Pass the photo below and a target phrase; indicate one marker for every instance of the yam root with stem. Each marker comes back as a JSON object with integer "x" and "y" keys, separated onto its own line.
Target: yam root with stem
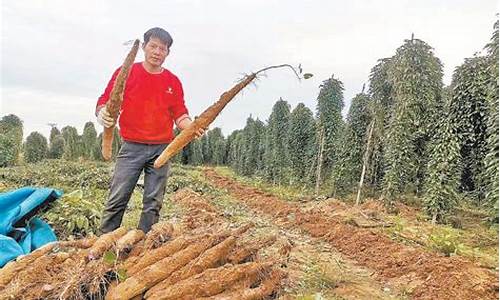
{"x": 208, "y": 116}
{"x": 212, "y": 281}
{"x": 150, "y": 276}
{"x": 115, "y": 100}
{"x": 208, "y": 259}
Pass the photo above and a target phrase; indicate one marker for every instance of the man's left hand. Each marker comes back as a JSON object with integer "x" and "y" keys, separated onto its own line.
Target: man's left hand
{"x": 185, "y": 121}
{"x": 200, "y": 133}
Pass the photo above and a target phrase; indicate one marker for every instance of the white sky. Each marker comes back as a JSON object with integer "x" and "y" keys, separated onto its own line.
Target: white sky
{"x": 57, "y": 56}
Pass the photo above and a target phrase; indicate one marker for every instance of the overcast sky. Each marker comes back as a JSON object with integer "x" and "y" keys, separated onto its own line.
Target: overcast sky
{"x": 57, "y": 56}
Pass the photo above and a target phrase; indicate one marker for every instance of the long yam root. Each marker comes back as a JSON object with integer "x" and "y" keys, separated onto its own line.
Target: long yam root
{"x": 105, "y": 242}
{"x": 154, "y": 255}
{"x": 126, "y": 242}
{"x": 150, "y": 276}
{"x": 115, "y": 100}
{"x": 211, "y": 282}
{"x": 208, "y": 259}
{"x": 266, "y": 288}
{"x": 206, "y": 118}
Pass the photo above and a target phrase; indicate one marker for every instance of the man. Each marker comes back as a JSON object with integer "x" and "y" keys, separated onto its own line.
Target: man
{"x": 152, "y": 102}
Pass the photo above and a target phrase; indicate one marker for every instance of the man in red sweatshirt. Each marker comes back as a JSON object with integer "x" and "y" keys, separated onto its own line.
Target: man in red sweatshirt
{"x": 152, "y": 102}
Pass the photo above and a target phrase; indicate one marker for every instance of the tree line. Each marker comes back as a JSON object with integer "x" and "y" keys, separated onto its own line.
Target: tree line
{"x": 62, "y": 144}
{"x": 405, "y": 136}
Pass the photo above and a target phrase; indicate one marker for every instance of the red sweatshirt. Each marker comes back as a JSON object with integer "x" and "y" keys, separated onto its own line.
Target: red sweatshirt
{"x": 151, "y": 105}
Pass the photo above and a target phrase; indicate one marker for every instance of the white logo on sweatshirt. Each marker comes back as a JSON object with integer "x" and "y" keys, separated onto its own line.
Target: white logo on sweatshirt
{"x": 169, "y": 90}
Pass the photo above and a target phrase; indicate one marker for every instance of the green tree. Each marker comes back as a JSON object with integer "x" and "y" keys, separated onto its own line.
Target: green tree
{"x": 252, "y": 150}
{"x": 443, "y": 176}
{"x": 351, "y": 145}
{"x": 195, "y": 153}
{"x": 380, "y": 92}
{"x": 491, "y": 160}
{"x": 56, "y": 147}
{"x": 89, "y": 138}
{"x": 234, "y": 146}
{"x": 8, "y": 152}
{"x": 54, "y": 132}
{"x": 205, "y": 148}
{"x": 416, "y": 79}
{"x": 35, "y": 148}
{"x": 330, "y": 103}
{"x": 217, "y": 146}
{"x": 97, "y": 153}
{"x": 469, "y": 111}
{"x": 301, "y": 142}
{"x": 11, "y": 138}
{"x": 71, "y": 147}
{"x": 276, "y": 155}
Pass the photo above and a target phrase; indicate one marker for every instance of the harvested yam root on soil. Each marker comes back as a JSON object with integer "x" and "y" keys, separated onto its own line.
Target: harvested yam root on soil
{"x": 159, "y": 234}
{"x": 248, "y": 251}
{"x": 137, "y": 249}
{"x": 121, "y": 267}
{"x": 30, "y": 281}
{"x": 146, "y": 278}
{"x": 157, "y": 254}
{"x": 211, "y": 282}
{"x": 267, "y": 287}
{"x": 14, "y": 267}
{"x": 208, "y": 259}
{"x": 105, "y": 242}
{"x": 82, "y": 243}
{"x": 126, "y": 242}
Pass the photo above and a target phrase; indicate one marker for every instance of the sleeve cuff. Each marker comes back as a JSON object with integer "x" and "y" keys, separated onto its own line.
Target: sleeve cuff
{"x": 182, "y": 117}
{"x": 98, "y": 108}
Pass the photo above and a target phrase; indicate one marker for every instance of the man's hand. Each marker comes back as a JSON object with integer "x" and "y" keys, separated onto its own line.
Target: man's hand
{"x": 184, "y": 121}
{"x": 104, "y": 118}
{"x": 200, "y": 133}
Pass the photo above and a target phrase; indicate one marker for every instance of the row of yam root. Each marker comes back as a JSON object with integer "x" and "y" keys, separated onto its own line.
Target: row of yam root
{"x": 214, "y": 263}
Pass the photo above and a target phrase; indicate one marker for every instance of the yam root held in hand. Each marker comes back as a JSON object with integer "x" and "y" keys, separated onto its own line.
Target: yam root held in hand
{"x": 208, "y": 116}
{"x": 115, "y": 100}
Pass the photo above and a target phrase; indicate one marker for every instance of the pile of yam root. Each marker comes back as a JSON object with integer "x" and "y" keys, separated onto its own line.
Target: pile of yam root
{"x": 170, "y": 262}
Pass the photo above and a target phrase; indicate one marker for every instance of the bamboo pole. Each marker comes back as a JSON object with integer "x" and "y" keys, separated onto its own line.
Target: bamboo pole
{"x": 320, "y": 161}
{"x": 365, "y": 161}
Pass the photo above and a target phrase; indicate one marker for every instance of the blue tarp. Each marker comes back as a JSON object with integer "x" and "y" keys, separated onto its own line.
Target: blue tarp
{"x": 20, "y": 231}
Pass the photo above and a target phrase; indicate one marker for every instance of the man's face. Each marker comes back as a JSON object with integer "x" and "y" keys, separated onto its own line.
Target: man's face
{"x": 155, "y": 52}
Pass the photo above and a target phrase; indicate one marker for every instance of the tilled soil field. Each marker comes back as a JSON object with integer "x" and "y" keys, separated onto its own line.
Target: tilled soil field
{"x": 427, "y": 275}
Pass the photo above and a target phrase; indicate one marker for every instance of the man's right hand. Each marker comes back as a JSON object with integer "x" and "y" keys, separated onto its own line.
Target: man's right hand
{"x": 104, "y": 118}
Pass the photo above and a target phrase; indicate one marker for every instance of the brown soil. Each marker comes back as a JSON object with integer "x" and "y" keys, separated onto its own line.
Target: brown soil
{"x": 425, "y": 275}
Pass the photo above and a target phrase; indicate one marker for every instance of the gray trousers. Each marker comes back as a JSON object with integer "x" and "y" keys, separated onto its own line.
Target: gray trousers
{"x": 131, "y": 160}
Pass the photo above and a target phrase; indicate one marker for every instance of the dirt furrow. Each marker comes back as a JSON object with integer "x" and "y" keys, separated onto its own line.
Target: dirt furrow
{"x": 423, "y": 274}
